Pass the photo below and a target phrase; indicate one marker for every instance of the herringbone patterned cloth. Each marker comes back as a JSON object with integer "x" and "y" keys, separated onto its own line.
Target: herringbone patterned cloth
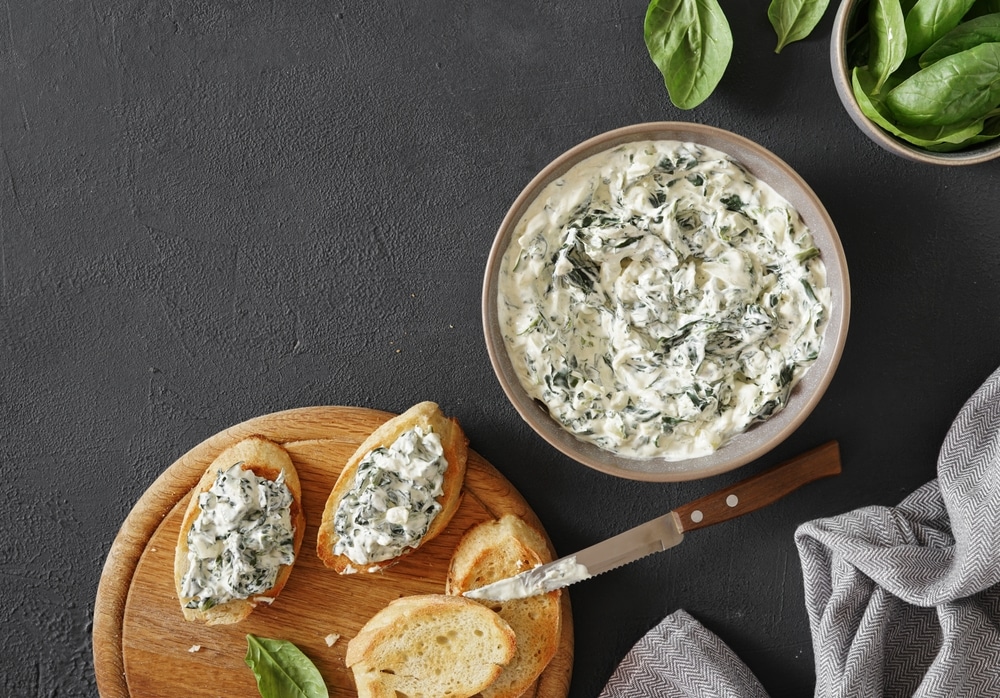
{"x": 679, "y": 658}
{"x": 903, "y": 601}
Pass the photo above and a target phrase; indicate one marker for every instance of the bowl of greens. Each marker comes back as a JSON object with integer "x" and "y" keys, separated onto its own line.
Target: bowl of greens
{"x": 922, "y": 79}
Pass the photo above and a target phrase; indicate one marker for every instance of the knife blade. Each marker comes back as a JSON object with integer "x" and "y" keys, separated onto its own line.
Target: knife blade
{"x": 666, "y": 531}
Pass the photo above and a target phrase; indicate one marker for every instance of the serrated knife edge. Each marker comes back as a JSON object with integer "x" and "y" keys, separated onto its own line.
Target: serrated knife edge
{"x": 668, "y": 530}
{"x": 645, "y": 539}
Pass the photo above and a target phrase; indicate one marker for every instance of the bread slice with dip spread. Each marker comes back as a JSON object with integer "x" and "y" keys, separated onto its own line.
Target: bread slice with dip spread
{"x": 396, "y": 492}
{"x": 495, "y": 550}
{"x": 428, "y": 646}
{"x": 241, "y": 533}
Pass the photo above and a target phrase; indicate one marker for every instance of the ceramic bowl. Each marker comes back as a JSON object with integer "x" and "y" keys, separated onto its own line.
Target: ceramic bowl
{"x": 844, "y": 26}
{"x": 760, "y": 438}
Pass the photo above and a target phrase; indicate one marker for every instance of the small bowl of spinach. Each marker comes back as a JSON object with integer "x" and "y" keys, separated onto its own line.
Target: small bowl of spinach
{"x": 922, "y": 78}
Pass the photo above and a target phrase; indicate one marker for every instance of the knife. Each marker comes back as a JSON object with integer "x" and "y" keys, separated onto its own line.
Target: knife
{"x": 668, "y": 530}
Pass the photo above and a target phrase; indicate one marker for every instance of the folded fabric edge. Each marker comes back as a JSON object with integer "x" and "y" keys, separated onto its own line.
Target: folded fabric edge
{"x": 680, "y": 658}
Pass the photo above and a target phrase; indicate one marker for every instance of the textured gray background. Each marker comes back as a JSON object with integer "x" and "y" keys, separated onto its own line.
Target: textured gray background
{"x": 215, "y": 210}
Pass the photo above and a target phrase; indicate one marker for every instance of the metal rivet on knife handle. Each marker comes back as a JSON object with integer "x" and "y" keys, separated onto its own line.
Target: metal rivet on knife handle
{"x": 761, "y": 489}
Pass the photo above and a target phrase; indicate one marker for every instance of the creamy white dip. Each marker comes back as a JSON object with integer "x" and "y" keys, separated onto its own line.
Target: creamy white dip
{"x": 659, "y": 299}
{"x": 539, "y": 580}
{"x": 241, "y": 537}
{"x": 393, "y": 500}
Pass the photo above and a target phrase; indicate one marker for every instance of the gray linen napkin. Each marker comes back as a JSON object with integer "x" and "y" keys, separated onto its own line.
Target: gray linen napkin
{"x": 679, "y": 658}
{"x": 902, "y": 601}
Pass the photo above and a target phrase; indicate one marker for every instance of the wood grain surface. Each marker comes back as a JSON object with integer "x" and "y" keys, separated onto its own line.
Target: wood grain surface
{"x": 144, "y": 647}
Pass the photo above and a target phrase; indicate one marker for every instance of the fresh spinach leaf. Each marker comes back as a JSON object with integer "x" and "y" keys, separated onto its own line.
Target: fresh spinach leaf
{"x": 964, "y": 85}
{"x": 665, "y": 26}
{"x": 929, "y": 20}
{"x": 930, "y": 137}
{"x": 282, "y": 670}
{"x": 888, "y": 39}
{"x": 991, "y": 131}
{"x": 691, "y": 43}
{"x": 981, "y": 30}
{"x": 794, "y": 20}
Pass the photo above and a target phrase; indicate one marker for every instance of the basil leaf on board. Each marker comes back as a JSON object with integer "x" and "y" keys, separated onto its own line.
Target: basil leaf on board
{"x": 929, "y": 20}
{"x": 888, "y": 39}
{"x": 964, "y": 85}
{"x": 930, "y": 137}
{"x": 981, "y": 30}
{"x": 794, "y": 20}
{"x": 691, "y": 43}
{"x": 282, "y": 670}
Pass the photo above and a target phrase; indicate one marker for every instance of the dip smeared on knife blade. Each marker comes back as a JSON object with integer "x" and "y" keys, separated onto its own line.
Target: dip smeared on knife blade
{"x": 659, "y": 299}
{"x": 541, "y": 579}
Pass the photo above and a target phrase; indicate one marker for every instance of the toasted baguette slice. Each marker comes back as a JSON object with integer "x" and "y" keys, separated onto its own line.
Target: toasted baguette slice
{"x": 429, "y": 646}
{"x": 495, "y": 550}
{"x": 428, "y": 416}
{"x": 266, "y": 459}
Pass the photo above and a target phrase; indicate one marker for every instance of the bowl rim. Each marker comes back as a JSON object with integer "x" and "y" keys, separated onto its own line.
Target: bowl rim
{"x": 842, "y": 82}
{"x": 742, "y": 448}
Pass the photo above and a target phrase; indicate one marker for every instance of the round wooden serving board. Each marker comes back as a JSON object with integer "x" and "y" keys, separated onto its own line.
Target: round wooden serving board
{"x": 144, "y": 647}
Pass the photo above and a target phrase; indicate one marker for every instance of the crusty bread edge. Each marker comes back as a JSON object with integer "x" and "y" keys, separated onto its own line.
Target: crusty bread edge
{"x": 260, "y": 455}
{"x": 455, "y": 447}
{"x": 382, "y": 625}
{"x": 532, "y": 541}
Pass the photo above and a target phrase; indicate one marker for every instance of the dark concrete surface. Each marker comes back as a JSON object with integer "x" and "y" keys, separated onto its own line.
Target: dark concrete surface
{"x": 215, "y": 210}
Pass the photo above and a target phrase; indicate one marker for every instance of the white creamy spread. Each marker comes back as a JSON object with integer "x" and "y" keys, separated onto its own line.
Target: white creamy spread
{"x": 240, "y": 538}
{"x": 538, "y": 580}
{"x": 393, "y": 500}
{"x": 659, "y": 299}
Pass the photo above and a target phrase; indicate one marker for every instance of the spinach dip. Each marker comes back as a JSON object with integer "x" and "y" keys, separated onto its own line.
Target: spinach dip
{"x": 659, "y": 299}
{"x": 393, "y": 499}
{"x": 241, "y": 536}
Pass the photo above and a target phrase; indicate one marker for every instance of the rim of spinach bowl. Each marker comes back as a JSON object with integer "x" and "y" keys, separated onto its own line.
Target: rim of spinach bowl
{"x": 844, "y": 26}
{"x": 760, "y": 438}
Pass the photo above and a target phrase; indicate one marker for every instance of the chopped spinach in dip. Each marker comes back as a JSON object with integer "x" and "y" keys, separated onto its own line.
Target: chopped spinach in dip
{"x": 660, "y": 299}
{"x": 393, "y": 500}
{"x": 240, "y": 538}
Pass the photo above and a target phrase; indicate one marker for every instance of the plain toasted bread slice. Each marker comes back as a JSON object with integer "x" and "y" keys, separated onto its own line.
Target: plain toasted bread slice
{"x": 427, "y": 416}
{"x": 429, "y": 646}
{"x": 266, "y": 459}
{"x": 495, "y": 550}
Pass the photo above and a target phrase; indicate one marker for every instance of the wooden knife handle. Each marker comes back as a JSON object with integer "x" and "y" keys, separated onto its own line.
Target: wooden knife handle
{"x": 762, "y": 489}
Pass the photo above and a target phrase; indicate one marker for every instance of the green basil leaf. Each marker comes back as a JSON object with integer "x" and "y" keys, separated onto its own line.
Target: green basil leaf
{"x": 964, "y": 85}
{"x": 981, "y": 30}
{"x": 794, "y": 20}
{"x": 282, "y": 670}
{"x": 888, "y": 39}
{"x": 929, "y": 137}
{"x": 929, "y": 20}
{"x": 690, "y": 42}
